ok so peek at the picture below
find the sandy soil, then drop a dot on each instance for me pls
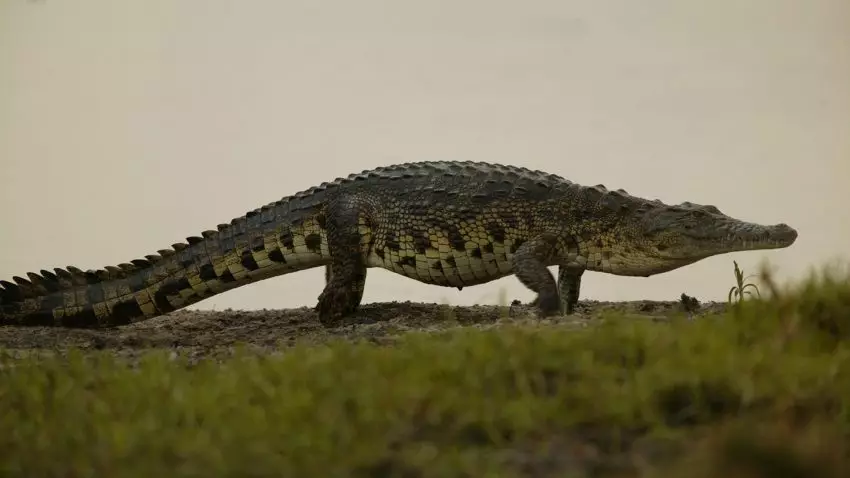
(198, 334)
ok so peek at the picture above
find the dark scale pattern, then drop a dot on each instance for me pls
(454, 224)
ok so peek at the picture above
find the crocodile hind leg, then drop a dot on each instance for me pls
(359, 285)
(529, 262)
(569, 286)
(345, 276)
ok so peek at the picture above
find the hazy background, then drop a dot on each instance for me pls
(126, 126)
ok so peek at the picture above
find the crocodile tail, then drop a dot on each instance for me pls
(23, 302)
(50, 298)
(118, 295)
(264, 243)
(71, 297)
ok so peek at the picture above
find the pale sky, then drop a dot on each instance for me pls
(126, 126)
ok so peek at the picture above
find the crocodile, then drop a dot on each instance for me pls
(447, 223)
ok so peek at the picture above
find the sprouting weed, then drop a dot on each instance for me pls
(738, 291)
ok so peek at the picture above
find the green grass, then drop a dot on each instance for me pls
(760, 391)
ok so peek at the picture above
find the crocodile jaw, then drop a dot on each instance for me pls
(732, 236)
(677, 246)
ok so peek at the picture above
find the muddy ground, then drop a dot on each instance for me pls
(198, 334)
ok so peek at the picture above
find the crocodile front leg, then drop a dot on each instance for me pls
(346, 275)
(569, 286)
(530, 261)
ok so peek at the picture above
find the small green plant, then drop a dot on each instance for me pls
(740, 289)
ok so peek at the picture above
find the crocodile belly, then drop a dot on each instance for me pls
(448, 268)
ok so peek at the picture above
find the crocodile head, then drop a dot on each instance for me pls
(664, 238)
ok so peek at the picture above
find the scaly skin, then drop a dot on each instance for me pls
(454, 224)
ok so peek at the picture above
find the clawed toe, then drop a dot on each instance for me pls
(333, 307)
(548, 306)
